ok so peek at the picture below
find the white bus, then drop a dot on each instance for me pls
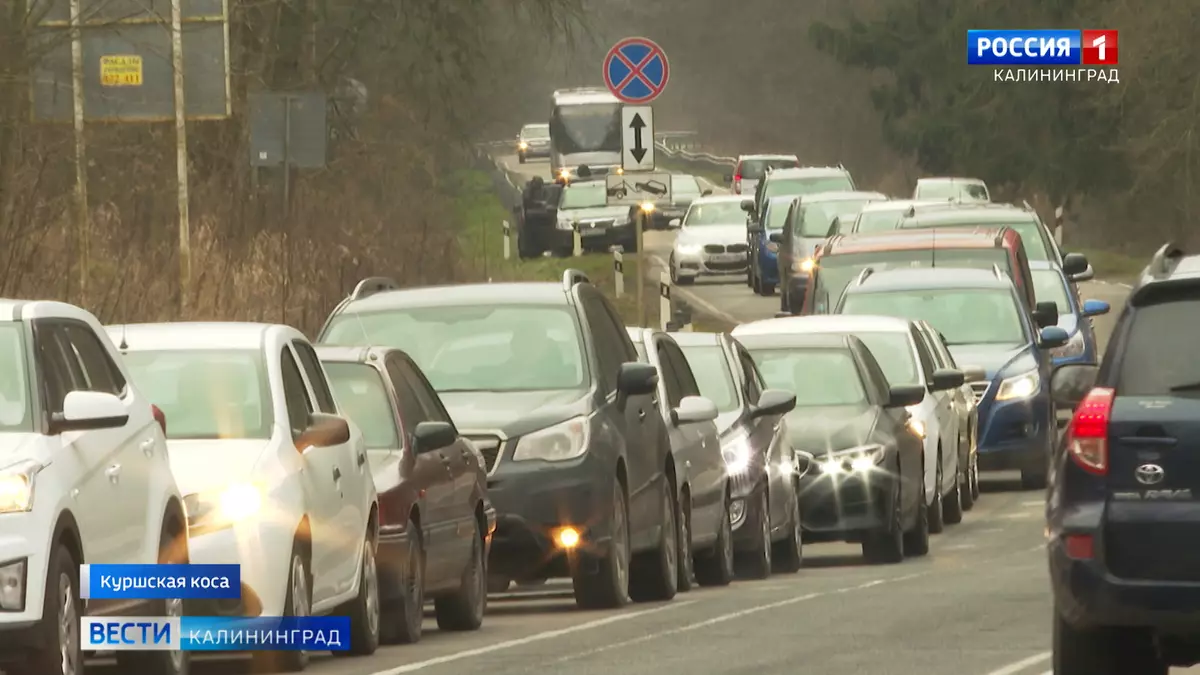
(585, 129)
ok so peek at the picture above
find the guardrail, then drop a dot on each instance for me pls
(681, 147)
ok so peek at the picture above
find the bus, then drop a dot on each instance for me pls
(585, 129)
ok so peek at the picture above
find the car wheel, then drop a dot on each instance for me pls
(521, 159)
(952, 504)
(936, 523)
(967, 495)
(975, 478)
(364, 610)
(767, 289)
(687, 572)
(756, 562)
(607, 585)
(715, 568)
(172, 549)
(61, 650)
(655, 574)
(885, 545)
(297, 604)
(463, 610)
(1103, 651)
(403, 617)
(673, 271)
(916, 540)
(789, 553)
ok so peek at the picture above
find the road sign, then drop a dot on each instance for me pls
(637, 138)
(288, 128)
(636, 70)
(637, 188)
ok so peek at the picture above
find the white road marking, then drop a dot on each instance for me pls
(959, 547)
(706, 306)
(1014, 668)
(1039, 502)
(529, 639)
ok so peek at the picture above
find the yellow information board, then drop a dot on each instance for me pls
(121, 71)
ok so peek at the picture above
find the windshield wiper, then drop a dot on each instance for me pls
(1181, 388)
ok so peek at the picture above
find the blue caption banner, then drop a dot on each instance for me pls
(1045, 47)
(216, 634)
(160, 582)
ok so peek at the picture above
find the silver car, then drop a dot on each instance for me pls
(946, 187)
(751, 168)
(533, 141)
(711, 240)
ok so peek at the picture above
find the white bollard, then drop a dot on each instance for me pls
(619, 272)
(664, 299)
(576, 241)
(507, 241)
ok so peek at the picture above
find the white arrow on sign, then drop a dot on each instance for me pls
(637, 138)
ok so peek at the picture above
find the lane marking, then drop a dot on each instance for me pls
(696, 300)
(529, 639)
(1014, 668)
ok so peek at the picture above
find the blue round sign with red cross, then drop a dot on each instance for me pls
(636, 70)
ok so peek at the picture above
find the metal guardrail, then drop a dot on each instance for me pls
(681, 147)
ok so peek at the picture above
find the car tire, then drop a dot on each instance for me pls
(968, 495)
(789, 553)
(1103, 651)
(607, 587)
(402, 619)
(521, 159)
(952, 504)
(655, 574)
(297, 604)
(463, 610)
(687, 569)
(975, 491)
(59, 631)
(885, 545)
(172, 549)
(767, 289)
(752, 278)
(365, 617)
(916, 540)
(755, 563)
(715, 567)
(936, 523)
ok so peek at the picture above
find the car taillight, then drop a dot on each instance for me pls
(737, 185)
(159, 417)
(1087, 435)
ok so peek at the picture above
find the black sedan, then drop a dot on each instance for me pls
(867, 481)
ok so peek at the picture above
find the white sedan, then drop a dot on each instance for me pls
(711, 240)
(274, 478)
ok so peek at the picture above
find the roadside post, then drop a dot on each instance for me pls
(507, 240)
(576, 241)
(664, 300)
(619, 271)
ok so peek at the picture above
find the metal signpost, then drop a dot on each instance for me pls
(636, 71)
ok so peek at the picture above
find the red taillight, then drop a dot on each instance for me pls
(160, 418)
(1080, 546)
(737, 184)
(1087, 435)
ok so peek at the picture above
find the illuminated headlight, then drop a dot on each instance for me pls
(523, 145)
(648, 207)
(1019, 386)
(620, 171)
(16, 486)
(772, 247)
(862, 459)
(564, 173)
(1074, 347)
(802, 266)
(560, 442)
(222, 508)
(915, 425)
(737, 453)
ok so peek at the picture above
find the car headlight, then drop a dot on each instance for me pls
(620, 171)
(802, 266)
(222, 508)
(1019, 386)
(861, 459)
(737, 453)
(688, 249)
(16, 486)
(560, 442)
(648, 207)
(523, 145)
(1074, 347)
(564, 174)
(917, 427)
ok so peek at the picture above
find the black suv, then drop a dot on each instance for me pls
(1124, 504)
(544, 380)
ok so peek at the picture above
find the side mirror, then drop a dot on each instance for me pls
(694, 409)
(1045, 314)
(774, 402)
(748, 205)
(706, 192)
(728, 178)
(89, 411)
(1071, 382)
(1075, 263)
(974, 374)
(1052, 336)
(637, 379)
(1086, 275)
(675, 223)
(323, 431)
(776, 237)
(430, 436)
(1095, 308)
(947, 378)
(906, 395)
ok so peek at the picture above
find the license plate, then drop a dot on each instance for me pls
(592, 231)
(728, 257)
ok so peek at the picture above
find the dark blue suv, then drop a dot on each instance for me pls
(1123, 508)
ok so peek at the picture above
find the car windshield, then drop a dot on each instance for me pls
(777, 211)
(819, 377)
(583, 196)
(807, 186)
(711, 369)
(755, 169)
(682, 185)
(715, 213)
(968, 316)
(835, 272)
(361, 394)
(878, 221)
(1158, 352)
(1048, 286)
(1032, 237)
(477, 348)
(538, 131)
(952, 190)
(206, 394)
(15, 413)
(818, 216)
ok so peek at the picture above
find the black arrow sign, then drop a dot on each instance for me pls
(637, 124)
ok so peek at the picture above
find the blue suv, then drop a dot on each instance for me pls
(764, 250)
(996, 340)
(1123, 509)
(1050, 284)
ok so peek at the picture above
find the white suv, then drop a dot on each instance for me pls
(275, 478)
(84, 478)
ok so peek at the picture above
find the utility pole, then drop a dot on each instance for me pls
(82, 228)
(181, 159)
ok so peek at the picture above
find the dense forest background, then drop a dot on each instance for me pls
(880, 85)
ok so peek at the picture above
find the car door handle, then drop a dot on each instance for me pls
(114, 473)
(642, 415)
(148, 447)
(337, 474)
(362, 459)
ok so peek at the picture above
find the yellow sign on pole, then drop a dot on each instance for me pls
(121, 71)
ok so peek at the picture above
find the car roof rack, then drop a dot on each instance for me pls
(372, 285)
(1165, 259)
(573, 276)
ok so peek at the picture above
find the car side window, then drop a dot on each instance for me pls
(670, 378)
(99, 370)
(683, 370)
(624, 340)
(754, 381)
(923, 354)
(934, 355)
(59, 371)
(295, 394)
(874, 379)
(316, 376)
(430, 407)
(411, 412)
(609, 352)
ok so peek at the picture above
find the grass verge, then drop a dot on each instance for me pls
(481, 246)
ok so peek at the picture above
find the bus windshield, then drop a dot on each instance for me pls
(586, 127)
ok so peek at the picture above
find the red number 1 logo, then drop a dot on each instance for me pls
(1099, 48)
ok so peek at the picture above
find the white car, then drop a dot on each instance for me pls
(947, 187)
(905, 359)
(84, 478)
(886, 216)
(711, 240)
(274, 478)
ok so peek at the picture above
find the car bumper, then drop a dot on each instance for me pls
(744, 489)
(692, 264)
(534, 151)
(846, 504)
(1014, 435)
(598, 239)
(534, 500)
(263, 552)
(16, 546)
(797, 286)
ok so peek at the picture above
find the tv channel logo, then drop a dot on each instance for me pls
(1043, 47)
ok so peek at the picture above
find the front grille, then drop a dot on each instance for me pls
(726, 266)
(737, 248)
(714, 248)
(489, 447)
(979, 388)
